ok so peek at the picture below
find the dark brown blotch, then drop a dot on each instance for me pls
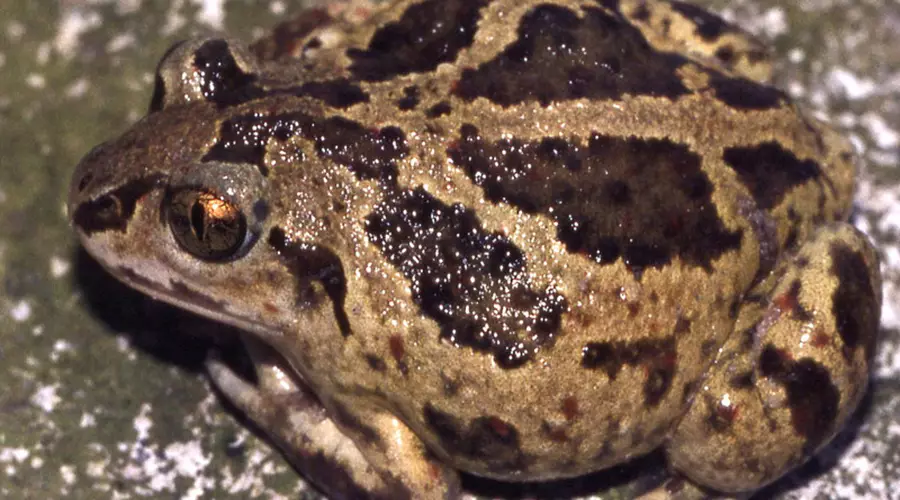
(734, 309)
(220, 78)
(591, 192)
(682, 326)
(749, 336)
(410, 98)
(488, 438)
(560, 55)
(708, 348)
(338, 93)
(473, 283)
(605, 451)
(450, 385)
(855, 300)
(813, 398)
(369, 154)
(745, 94)
(242, 139)
(440, 109)
(312, 263)
(708, 25)
(376, 363)
(770, 172)
(744, 380)
(657, 357)
(570, 408)
(726, 55)
(427, 34)
(641, 13)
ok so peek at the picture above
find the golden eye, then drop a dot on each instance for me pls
(207, 225)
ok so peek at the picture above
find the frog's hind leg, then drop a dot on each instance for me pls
(684, 28)
(322, 449)
(298, 424)
(792, 373)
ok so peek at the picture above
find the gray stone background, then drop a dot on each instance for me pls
(102, 391)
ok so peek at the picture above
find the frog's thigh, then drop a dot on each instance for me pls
(298, 423)
(792, 373)
(685, 28)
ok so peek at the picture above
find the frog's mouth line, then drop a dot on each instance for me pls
(184, 297)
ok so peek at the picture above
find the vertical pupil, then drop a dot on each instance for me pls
(198, 215)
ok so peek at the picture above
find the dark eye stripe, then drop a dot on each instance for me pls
(113, 211)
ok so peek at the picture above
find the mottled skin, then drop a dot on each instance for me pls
(524, 239)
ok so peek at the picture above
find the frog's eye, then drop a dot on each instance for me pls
(207, 225)
(216, 211)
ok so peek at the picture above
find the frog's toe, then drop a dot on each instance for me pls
(792, 373)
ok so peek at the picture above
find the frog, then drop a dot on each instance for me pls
(522, 240)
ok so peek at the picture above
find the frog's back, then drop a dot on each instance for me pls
(545, 224)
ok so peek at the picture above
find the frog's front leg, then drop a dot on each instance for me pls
(383, 459)
(792, 372)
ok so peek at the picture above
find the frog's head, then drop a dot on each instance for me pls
(177, 206)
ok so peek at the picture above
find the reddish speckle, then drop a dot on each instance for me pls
(435, 472)
(270, 308)
(727, 412)
(361, 12)
(821, 339)
(570, 408)
(786, 301)
(499, 427)
(397, 348)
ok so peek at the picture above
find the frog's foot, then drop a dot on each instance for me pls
(792, 373)
(323, 450)
(683, 28)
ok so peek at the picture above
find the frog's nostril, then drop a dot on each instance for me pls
(102, 214)
(85, 181)
(112, 211)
